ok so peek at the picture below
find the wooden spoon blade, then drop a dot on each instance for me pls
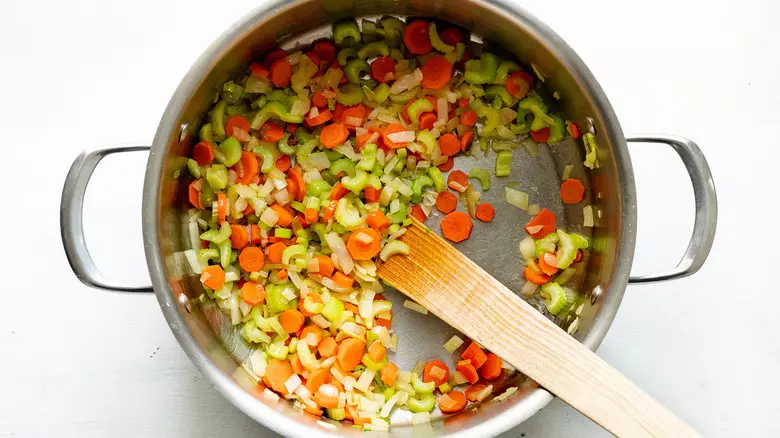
(457, 290)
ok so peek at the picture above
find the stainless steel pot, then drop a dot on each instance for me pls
(216, 349)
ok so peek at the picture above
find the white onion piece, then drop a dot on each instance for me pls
(529, 289)
(340, 250)
(312, 175)
(282, 197)
(314, 112)
(269, 217)
(361, 131)
(401, 137)
(517, 198)
(587, 213)
(441, 109)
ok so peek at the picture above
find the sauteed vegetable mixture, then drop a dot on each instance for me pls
(309, 169)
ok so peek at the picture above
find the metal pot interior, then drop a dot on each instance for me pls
(218, 350)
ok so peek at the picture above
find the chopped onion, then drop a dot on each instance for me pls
(452, 124)
(292, 383)
(313, 265)
(485, 393)
(528, 248)
(421, 418)
(195, 264)
(567, 172)
(587, 213)
(517, 198)
(442, 109)
(507, 393)
(396, 235)
(347, 150)
(406, 82)
(319, 160)
(365, 380)
(312, 175)
(534, 209)
(258, 361)
(298, 282)
(388, 118)
(300, 106)
(529, 289)
(303, 392)
(375, 113)
(270, 395)
(388, 407)
(401, 137)
(353, 121)
(232, 177)
(288, 293)
(340, 250)
(320, 321)
(453, 343)
(507, 116)
(282, 197)
(314, 112)
(418, 368)
(361, 131)
(534, 229)
(416, 307)
(330, 284)
(457, 378)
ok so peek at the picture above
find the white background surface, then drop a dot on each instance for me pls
(81, 74)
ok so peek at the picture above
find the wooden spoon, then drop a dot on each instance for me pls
(457, 290)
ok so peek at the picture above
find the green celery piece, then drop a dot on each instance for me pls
(337, 414)
(193, 168)
(278, 95)
(394, 30)
(333, 309)
(393, 248)
(231, 92)
(494, 91)
(421, 387)
(284, 233)
(217, 236)
(276, 302)
(388, 392)
(375, 366)
(555, 298)
(481, 71)
(418, 107)
(482, 175)
(493, 119)
(343, 165)
(398, 216)
(218, 120)
(260, 102)
(225, 254)
(405, 96)
(347, 214)
(438, 179)
(292, 251)
(208, 192)
(539, 109)
(503, 163)
(397, 55)
(354, 69)
(217, 176)
(207, 254)
(368, 30)
(303, 136)
(401, 154)
(231, 152)
(278, 350)
(237, 110)
(503, 71)
(427, 139)
(381, 93)
(374, 182)
(519, 129)
(273, 110)
(346, 29)
(424, 403)
(302, 156)
(317, 187)
(436, 42)
(349, 94)
(460, 50)
(557, 130)
(591, 148)
(345, 54)
(206, 133)
(581, 242)
(546, 244)
(368, 157)
(418, 185)
(355, 183)
(284, 146)
(567, 251)
(373, 50)
(267, 155)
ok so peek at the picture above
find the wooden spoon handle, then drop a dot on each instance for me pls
(462, 294)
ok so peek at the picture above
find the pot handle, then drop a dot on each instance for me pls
(706, 207)
(72, 224)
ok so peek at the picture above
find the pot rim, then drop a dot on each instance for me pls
(265, 414)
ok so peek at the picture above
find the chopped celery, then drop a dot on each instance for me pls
(423, 403)
(237, 110)
(460, 50)
(193, 167)
(373, 50)
(217, 176)
(345, 54)
(437, 43)
(277, 350)
(303, 136)
(426, 138)
(421, 387)
(273, 110)
(317, 187)
(374, 182)
(368, 157)
(539, 109)
(347, 214)
(344, 165)
(208, 191)
(591, 157)
(393, 248)
(333, 310)
(357, 182)
(284, 233)
(231, 92)
(267, 155)
(439, 184)
(231, 152)
(218, 120)
(275, 300)
(405, 96)
(225, 254)
(555, 298)
(418, 107)
(398, 216)
(557, 130)
(503, 71)
(337, 414)
(503, 163)
(546, 244)
(445, 388)
(493, 119)
(482, 70)
(284, 145)
(482, 175)
(293, 251)
(418, 185)
(494, 91)
(206, 133)
(381, 93)
(349, 94)
(375, 366)
(394, 30)
(346, 29)
(354, 69)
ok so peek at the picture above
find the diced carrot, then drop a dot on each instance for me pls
(541, 135)
(469, 118)
(518, 84)
(285, 217)
(273, 56)
(259, 70)
(437, 72)
(213, 277)
(548, 263)
(578, 256)
(467, 369)
(446, 202)
(376, 351)
(417, 212)
(451, 36)
(250, 168)
(427, 120)
(449, 144)
(392, 129)
(275, 252)
(239, 237)
(333, 135)
(382, 69)
(491, 369)
(463, 102)
(447, 165)
(271, 132)
(253, 293)
(535, 277)
(452, 402)
(283, 163)
(439, 377)
(222, 205)
(251, 259)
(282, 274)
(572, 191)
(350, 353)
(354, 116)
(236, 122)
(311, 216)
(352, 308)
(389, 373)
(544, 219)
(465, 141)
(194, 195)
(361, 140)
(277, 372)
(338, 191)
(291, 128)
(328, 347)
(364, 244)
(573, 130)
(456, 226)
(313, 332)
(255, 232)
(371, 194)
(325, 50)
(377, 220)
(330, 210)
(319, 100)
(485, 212)
(416, 37)
(291, 320)
(281, 72)
(203, 153)
(296, 365)
(326, 266)
(458, 180)
(318, 377)
(323, 116)
(473, 391)
(311, 410)
(342, 279)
